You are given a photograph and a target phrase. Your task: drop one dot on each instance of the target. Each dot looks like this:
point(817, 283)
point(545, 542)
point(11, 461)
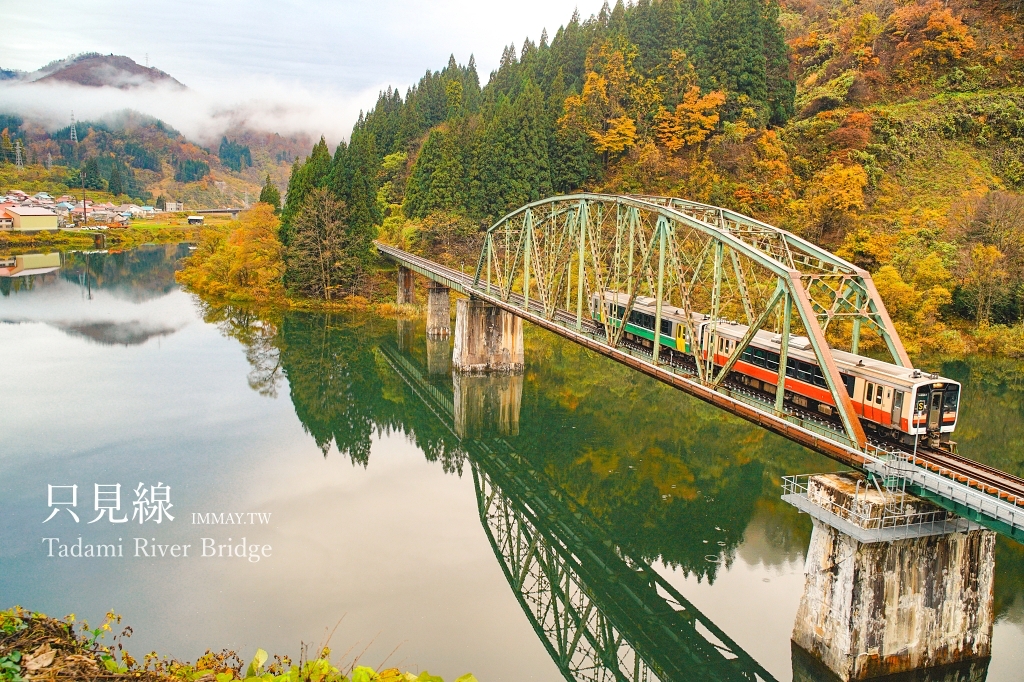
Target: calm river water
point(335, 439)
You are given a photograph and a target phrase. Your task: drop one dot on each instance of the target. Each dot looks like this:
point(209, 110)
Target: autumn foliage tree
point(244, 264)
point(692, 121)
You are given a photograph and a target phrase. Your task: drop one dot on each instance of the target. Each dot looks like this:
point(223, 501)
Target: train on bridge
point(895, 402)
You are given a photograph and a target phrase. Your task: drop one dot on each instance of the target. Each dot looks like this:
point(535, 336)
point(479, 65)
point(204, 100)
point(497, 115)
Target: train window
point(759, 357)
point(818, 377)
point(921, 400)
point(747, 356)
point(950, 399)
point(871, 393)
point(897, 403)
point(772, 361)
point(849, 382)
point(804, 372)
point(666, 327)
point(878, 396)
point(791, 367)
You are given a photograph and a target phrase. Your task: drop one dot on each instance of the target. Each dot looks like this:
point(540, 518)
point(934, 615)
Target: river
point(383, 502)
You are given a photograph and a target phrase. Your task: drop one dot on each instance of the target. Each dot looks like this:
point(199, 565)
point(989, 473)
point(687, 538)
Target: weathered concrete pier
point(893, 584)
point(487, 339)
point(439, 310)
point(406, 292)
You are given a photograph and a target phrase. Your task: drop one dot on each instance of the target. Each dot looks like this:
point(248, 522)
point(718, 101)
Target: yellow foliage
point(620, 135)
point(692, 121)
point(835, 197)
point(616, 99)
point(244, 264)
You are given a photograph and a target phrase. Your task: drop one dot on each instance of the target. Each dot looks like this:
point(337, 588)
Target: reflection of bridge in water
point(601, 614)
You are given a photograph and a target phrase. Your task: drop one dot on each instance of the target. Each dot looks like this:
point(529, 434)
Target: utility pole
point(85, 209)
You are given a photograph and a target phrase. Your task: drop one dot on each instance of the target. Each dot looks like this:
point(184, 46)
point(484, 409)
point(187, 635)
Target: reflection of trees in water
point(258, 335)
point(137, 275)
point(333, 381)
point(663, 472)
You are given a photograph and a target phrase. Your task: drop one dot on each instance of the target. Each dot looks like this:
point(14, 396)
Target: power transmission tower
point(49, 161)
point(74, 129)
point(17, 154)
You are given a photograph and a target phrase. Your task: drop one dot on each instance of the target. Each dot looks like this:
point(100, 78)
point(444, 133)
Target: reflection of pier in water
point(601, 614)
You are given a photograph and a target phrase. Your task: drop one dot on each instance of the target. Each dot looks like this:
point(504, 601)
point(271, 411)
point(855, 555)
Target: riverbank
point(14, 243)
point(35, 646)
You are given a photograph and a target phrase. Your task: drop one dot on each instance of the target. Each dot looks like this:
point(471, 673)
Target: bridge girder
point(550, 256)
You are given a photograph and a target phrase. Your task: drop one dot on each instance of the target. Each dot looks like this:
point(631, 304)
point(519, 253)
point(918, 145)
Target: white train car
point(898, 402)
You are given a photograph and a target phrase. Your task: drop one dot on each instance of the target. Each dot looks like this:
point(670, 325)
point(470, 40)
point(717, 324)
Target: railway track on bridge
point(926, 469)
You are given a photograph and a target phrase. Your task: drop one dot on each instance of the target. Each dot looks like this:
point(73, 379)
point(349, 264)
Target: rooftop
point(28, 210)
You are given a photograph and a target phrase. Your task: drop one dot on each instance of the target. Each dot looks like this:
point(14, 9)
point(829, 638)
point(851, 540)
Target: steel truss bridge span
point(602, 615)
point(545, 261)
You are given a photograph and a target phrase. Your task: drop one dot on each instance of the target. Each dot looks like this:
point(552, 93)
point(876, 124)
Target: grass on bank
point(34, 646)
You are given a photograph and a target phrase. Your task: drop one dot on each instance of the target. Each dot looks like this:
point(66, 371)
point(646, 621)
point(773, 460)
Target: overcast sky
point(303, 65)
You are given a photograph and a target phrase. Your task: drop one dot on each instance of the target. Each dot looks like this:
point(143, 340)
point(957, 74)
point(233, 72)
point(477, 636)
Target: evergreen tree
point(115, 185)
point(93, 178)
point(271, 195)
point(363, 169)
point(531, 171)
point(572, 156)
point(305, 177)
point(735, 48)
point(437, 182)
point(781, 88)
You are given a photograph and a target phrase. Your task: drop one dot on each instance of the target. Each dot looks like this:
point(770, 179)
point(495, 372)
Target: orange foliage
point(930, 32)
point(854, 133)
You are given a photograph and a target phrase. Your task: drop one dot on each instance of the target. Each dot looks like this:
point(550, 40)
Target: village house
point(28, 218)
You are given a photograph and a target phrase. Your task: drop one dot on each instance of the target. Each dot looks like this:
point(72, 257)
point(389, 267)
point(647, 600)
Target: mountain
point(96, 71)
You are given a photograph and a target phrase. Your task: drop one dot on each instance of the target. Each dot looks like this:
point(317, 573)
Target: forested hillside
point(142, 158)
point(892, 133)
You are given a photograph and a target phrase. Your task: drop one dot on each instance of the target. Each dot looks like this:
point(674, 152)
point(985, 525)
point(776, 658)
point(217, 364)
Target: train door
point(896, 416)
point(935, 410)
point(884, 406)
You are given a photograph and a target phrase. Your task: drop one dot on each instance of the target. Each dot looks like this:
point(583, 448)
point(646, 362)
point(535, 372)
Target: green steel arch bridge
point(544, 261)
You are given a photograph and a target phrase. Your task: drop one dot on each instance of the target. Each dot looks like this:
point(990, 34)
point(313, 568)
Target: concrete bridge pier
point(439, 310)
point(882, 597)
point(406, 293)
point(487, 404)
point(487, 339)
